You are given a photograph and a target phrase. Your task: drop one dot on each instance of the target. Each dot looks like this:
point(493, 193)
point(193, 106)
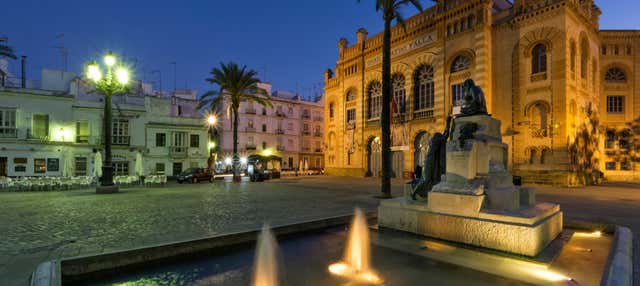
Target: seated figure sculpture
point(435, 161)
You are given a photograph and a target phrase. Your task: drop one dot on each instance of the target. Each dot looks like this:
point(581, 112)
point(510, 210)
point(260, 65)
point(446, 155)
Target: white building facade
point(60, 122)
point(291, 129)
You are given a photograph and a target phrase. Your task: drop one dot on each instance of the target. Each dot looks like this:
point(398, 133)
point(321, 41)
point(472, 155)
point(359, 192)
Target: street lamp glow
point(227, 161)
point(243, 160)
point(93, 72)
point(212, 120)
point(122, 75)
point(109, 59)
point(212, 145)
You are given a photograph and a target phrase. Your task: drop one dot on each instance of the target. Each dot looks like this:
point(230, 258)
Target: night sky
point(290, 43)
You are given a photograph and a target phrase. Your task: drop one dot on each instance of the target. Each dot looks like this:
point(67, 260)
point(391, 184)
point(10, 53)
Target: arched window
point(538, 118)
point(460, 63)
point(351, 95)
point(398, 93)
point(573, 56)
point(584, 58)
point(424, 88)
point(374, 100)
point(539, 59)
point(615, 75)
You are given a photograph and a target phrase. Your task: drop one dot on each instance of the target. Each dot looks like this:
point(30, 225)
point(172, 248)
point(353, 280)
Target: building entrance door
point(3, 166)
point(177, 168)
point(397, 164)
point(290, 162)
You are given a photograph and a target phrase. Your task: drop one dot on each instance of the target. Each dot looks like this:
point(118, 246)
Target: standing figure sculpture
point(434, 163)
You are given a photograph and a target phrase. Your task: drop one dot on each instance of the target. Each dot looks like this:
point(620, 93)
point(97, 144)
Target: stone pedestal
point(476, 202)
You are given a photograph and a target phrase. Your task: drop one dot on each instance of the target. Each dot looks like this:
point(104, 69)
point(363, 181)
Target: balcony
point(279, 131)
point(8, 132)
point(374, 122)
point(178, 151)
point(306, 116)
point(120, 139)
point(423, 114)
point(317, 134)
point(281, 148)
point(250, 146)
point(250, 111)
point(250, 129)
point(317, 118)
point(306, 133)
point(84, 139)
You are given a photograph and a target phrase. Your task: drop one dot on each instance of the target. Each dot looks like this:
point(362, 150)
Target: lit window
point(39, 165)
point(121, 168)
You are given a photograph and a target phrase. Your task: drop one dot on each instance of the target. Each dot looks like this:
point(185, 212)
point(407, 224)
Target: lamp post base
point(107, 189)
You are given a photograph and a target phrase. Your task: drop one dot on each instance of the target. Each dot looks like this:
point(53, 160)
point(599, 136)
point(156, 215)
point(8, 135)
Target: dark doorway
point(3, 166)
point(177, 168)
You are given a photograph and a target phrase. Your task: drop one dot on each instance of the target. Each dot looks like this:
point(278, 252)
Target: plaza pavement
point(35, 227)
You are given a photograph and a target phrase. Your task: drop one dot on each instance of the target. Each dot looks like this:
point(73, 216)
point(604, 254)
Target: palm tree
point(235, 85)
point(390, 11)
point(5, 50)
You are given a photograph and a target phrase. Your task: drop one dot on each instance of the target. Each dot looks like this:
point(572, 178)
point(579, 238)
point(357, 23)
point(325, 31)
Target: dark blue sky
point(293, 41)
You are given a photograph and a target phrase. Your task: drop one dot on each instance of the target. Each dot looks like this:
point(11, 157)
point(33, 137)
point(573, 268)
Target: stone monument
point(476, 202)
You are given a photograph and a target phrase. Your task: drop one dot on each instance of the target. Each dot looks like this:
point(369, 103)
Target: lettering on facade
point(417, 43)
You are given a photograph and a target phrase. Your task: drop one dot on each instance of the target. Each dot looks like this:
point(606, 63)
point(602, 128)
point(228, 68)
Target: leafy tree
point(390, 11)
point(584, 150)
point(235, 85)
point(5, 50)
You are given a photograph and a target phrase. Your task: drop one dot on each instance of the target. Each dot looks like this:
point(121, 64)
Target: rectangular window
point(615, 104)
point(53, 164)
point(264, 127)
point(180, 139)
point(40, 126)
point(194, 141)
point(351, 115)
point(610, 165)
point(80, 166)
point(160, 168)
point(250, 123)
point(161, 139)
point(331, 110)
point(82, 131)
point(457, 94)
point(625, 165)
point(8, 123)
point(121, 168)
point(120, 132)
point(39, 165)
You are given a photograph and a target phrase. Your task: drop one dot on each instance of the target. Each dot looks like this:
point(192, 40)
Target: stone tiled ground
point(35, 227)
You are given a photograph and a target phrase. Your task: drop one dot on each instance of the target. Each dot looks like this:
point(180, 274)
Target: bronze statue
point(474, 101)
point(435, 162)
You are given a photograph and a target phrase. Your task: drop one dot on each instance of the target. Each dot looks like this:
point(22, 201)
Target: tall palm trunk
point(236, 158)
point(385, 117)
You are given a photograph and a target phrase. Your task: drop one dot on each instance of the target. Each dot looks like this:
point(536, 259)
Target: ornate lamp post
point(114, 81)
point(212, 120)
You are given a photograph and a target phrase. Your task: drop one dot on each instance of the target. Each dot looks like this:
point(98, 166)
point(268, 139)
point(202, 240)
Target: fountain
point(266, 263)
point(357, 259)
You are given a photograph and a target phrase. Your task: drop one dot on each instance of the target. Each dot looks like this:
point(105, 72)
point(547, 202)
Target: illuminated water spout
point(266, 261)
point(356, 264)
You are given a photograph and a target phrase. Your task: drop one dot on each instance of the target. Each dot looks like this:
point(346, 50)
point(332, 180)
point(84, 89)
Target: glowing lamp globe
point(243, 160)
point(93, 72)
point(212, 120)
point(122, 75)
point(109, 59)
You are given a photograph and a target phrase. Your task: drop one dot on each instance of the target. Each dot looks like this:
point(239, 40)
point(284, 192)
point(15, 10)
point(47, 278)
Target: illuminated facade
point(45, 126)
point(542, 65)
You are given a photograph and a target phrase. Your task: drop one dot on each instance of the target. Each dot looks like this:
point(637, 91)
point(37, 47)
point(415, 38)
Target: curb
point(619, 267)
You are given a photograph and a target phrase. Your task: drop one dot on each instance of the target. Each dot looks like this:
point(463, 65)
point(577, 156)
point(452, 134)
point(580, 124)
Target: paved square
point(35, 227)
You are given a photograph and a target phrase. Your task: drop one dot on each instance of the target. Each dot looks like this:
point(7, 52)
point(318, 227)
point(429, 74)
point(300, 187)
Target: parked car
point(195, 175)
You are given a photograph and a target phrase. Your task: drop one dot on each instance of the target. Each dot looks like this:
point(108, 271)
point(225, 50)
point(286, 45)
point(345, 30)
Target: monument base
point(107, 189)
point(526, 231)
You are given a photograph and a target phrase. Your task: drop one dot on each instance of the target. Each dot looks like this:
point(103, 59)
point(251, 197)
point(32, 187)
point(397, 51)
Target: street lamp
point(212, 120)
point(114, 81)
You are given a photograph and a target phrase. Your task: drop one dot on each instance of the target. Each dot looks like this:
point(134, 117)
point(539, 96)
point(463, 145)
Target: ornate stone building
point(546, 68)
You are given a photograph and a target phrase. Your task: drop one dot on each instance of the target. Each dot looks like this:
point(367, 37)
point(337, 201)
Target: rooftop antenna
point(62, 50)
